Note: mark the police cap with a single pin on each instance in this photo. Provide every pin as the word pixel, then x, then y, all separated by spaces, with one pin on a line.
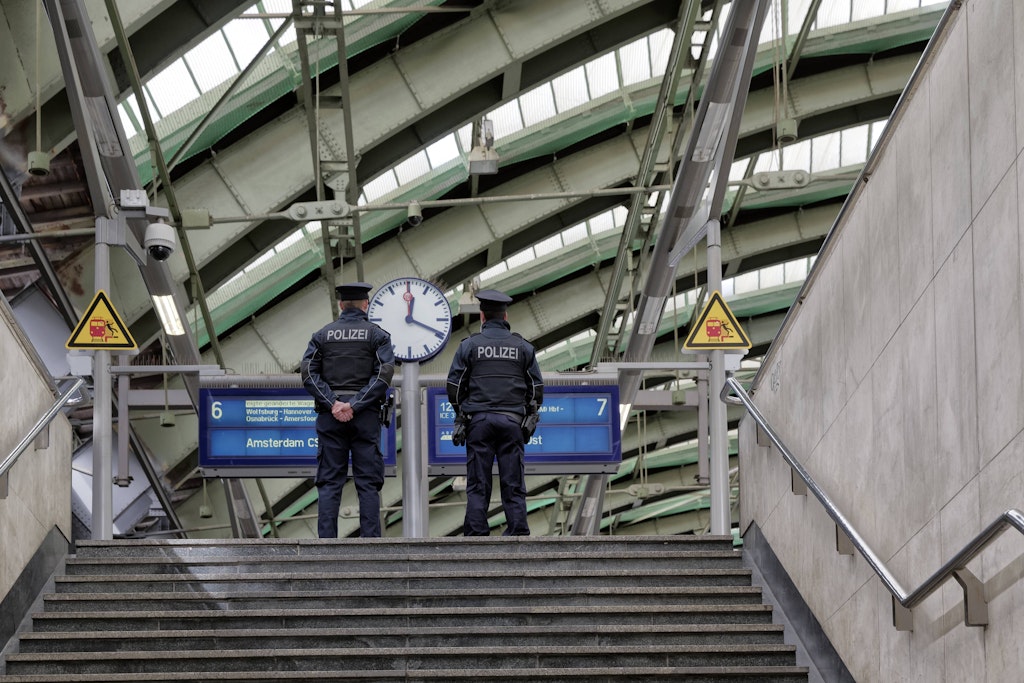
pixel 493 301
pixel 353 291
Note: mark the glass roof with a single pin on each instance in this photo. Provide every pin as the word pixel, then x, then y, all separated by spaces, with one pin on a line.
pixel 187 88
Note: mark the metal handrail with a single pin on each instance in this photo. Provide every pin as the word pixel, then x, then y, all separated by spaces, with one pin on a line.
pixel 975 606
pixel 59 403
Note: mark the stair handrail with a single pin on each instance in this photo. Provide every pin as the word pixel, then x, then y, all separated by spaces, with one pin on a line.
pixel 975 606
pixel 59 403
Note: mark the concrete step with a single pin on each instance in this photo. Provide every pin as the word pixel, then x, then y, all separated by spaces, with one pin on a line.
pixel 595 635
pixel 397 660
pixel 518 610
pixel 355 547
pixel 366 581
pixel 639 674
pixel 385 561
pixel 566 596
pixel 628 615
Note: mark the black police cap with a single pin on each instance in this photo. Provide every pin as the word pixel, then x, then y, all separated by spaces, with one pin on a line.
pixel 493 301
pixel 353 291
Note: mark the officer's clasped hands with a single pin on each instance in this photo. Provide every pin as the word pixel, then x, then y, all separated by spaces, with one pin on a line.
pixel 342 412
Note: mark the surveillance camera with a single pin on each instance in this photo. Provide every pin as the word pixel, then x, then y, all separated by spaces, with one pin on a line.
pixel 160 242
pixel 415 214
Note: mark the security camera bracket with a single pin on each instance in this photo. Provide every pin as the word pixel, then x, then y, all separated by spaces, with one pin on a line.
pixel 115 232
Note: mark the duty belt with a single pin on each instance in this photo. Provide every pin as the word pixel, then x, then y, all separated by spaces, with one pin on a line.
pixel 508 413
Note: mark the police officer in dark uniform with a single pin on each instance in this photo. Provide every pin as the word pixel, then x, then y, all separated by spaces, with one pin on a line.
pixel 347 369
pixel 494 383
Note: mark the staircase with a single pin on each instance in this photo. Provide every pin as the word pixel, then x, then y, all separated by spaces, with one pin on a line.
pixel 509 609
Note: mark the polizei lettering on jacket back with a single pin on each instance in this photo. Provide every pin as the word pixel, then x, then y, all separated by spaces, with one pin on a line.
pixel 348 334
pixel 509 352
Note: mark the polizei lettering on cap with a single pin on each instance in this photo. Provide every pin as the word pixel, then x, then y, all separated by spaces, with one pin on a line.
pixel 348 335
pixel 510 352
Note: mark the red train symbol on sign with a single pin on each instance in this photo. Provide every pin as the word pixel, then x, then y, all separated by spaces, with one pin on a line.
pixel 100 328
pixel 717 330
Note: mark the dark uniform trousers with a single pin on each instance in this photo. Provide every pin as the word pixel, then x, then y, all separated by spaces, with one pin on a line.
pixel 491 435
pixel 361 434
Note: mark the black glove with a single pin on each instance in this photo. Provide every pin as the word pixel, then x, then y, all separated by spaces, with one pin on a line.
pixel 459 433
pixel 529 423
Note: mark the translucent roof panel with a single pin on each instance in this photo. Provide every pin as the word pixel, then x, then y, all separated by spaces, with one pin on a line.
pixel 538 104
pixel 602 77
pixel 246 37
pixel 635 60
pixel 172 88
pixel 571 89
pixel 443 151
pixel 211 62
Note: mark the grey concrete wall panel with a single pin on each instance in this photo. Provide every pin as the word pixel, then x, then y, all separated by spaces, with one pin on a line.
pixel 911 418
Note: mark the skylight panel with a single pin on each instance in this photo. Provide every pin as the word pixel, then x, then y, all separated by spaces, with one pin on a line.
pixel 797 155
pixel 507 119
pixel 602 222
pixel 832 13
pixel 494 271
pixel 570 89
pixel 259 260
pixel 246 37
pixel 289 241
pixel 576 233
pixel 274 6
pixel 380 186
pixel 602 77
pixel 129 112
pixel 635 60
pixel 443 151
pixel 855 146
pixel 660 46
pixel 747 282
pixel 901 5
pixel 172 88
pixel 463 137
pixel 877 129
pixel 796 271
pixel 537 105
pixel 520 259
pixel 865 9
pixel 412 168
pixel 766 162
pixel 825 151
pixel 551 244
pixel 772 276
pixel 211 62
pixel 738 169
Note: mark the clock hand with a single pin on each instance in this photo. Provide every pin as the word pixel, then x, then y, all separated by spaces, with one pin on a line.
pixel 409 301
pixel 410 319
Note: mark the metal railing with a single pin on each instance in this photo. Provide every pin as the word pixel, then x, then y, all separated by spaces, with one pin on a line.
pixel 975 606
pixel 59 403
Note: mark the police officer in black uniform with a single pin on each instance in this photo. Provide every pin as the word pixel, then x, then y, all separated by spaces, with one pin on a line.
pixel 347 369
pixel 494 383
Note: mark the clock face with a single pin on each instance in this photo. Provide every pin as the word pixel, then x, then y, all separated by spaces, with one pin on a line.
pixel 416 315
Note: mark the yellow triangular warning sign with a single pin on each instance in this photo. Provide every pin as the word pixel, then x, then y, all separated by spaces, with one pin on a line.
pixel 101 328
pixel 717 328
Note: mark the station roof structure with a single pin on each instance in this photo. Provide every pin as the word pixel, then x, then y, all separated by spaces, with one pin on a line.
pixel 586 107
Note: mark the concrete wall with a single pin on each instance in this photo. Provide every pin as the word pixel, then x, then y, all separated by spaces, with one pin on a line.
pixel 39 484
pixel 898 380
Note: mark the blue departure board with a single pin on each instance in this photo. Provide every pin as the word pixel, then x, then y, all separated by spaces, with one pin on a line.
pixel 265 433
pixel 578 433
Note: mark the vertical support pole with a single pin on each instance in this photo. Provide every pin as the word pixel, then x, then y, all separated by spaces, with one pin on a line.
pixel 102 420
pixel 123 477
pixel 721 515
pixel 703 474
pixel 414 479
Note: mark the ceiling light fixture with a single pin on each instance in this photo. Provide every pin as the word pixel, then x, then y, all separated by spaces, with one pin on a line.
pixel 168 314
